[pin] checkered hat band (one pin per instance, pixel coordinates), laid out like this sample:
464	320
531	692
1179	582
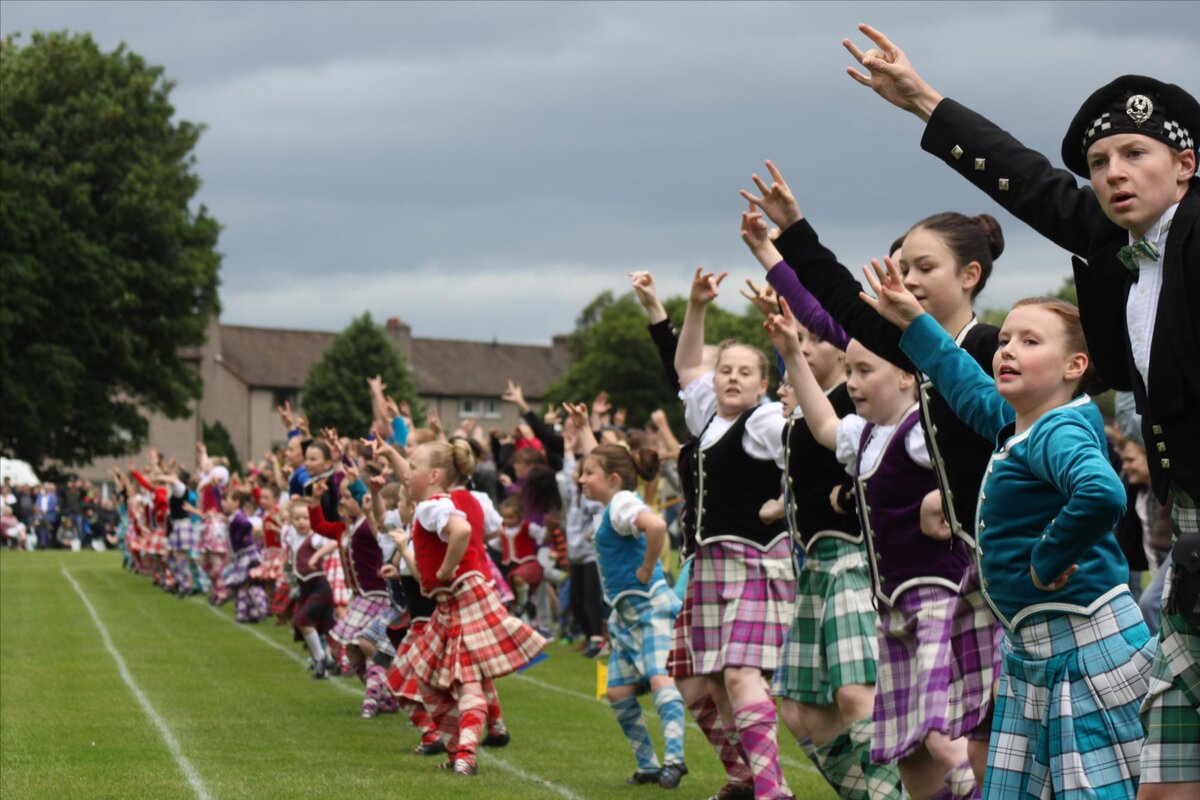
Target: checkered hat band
1178	134
1100	123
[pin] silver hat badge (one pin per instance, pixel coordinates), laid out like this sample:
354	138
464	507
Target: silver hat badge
1139	108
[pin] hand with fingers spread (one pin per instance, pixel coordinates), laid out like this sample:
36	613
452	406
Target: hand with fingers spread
893	301
763	297
578	414
776	200
601	405
647	295
705	286
783	330
513	394
891	75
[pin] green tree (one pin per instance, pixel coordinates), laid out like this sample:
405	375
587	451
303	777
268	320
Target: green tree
335	394
106	270
218	443
612	352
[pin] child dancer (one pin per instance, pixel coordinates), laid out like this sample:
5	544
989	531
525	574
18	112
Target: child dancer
361	559
251	597
470	637
313	616
214	541
719	732
743	575
1077	652
915	573
826	681
1135	139
519	543
947	259
628	540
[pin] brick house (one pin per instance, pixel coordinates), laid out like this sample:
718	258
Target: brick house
248	371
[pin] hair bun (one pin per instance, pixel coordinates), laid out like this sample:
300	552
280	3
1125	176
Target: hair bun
992	232
645	461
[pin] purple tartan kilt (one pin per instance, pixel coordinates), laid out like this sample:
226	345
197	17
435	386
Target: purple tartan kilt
237	571
975	644
742	601
358	616
184	537
914	678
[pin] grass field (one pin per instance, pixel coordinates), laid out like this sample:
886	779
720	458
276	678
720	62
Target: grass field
228	711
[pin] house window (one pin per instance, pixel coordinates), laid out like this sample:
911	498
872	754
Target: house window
479	408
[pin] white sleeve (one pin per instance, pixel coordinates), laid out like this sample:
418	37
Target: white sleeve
433	515
914	443
699	403
492	520
391	520
220	475
764	434
387	546
623	512
537	532
849	434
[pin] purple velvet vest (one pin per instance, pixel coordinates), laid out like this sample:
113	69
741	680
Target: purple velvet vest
361	560
300	559
889	508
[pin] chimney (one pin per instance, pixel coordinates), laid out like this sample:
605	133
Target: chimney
401	335
560	352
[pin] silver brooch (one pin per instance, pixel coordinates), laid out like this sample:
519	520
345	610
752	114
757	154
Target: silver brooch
1139	108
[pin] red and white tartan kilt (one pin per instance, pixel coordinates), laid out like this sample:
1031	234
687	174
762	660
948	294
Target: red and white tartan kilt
337	579
679	660
156	543
362	610
470	637
213	538
400	678
135	540
282	603
270	569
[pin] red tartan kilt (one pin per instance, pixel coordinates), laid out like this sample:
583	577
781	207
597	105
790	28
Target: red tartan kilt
282	603
471	637
270	569
679	659
400	678
156	543
134	540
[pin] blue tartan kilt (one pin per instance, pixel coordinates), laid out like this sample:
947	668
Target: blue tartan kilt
1066	723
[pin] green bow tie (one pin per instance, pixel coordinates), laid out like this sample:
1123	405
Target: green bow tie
1141	248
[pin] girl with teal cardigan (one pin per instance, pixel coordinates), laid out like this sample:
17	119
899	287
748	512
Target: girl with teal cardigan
1076	653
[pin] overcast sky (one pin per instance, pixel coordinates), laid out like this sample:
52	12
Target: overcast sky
484	170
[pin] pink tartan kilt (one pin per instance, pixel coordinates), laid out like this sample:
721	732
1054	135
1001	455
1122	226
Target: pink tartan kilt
679	660
362	610
337	579
183	537
400	677
470	637
975	649
270	569
156	543
742	605
213	539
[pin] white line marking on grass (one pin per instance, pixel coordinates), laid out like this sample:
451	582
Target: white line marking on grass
185	766
512	769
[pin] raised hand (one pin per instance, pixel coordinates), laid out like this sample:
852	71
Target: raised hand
433	420
647	292
285	414
513	394
892	299
601	405
776	200
578	414
705	286
891	75
376	385
763	297
783	329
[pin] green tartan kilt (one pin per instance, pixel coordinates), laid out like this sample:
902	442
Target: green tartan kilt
1171	711
832	641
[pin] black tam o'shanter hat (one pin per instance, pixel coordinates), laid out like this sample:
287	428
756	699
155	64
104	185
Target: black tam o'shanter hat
1132	104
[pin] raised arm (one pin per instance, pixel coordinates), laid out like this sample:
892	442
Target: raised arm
689	356
956	375
662	333
583	426
819	413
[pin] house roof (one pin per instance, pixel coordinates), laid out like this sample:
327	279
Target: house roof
280	358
